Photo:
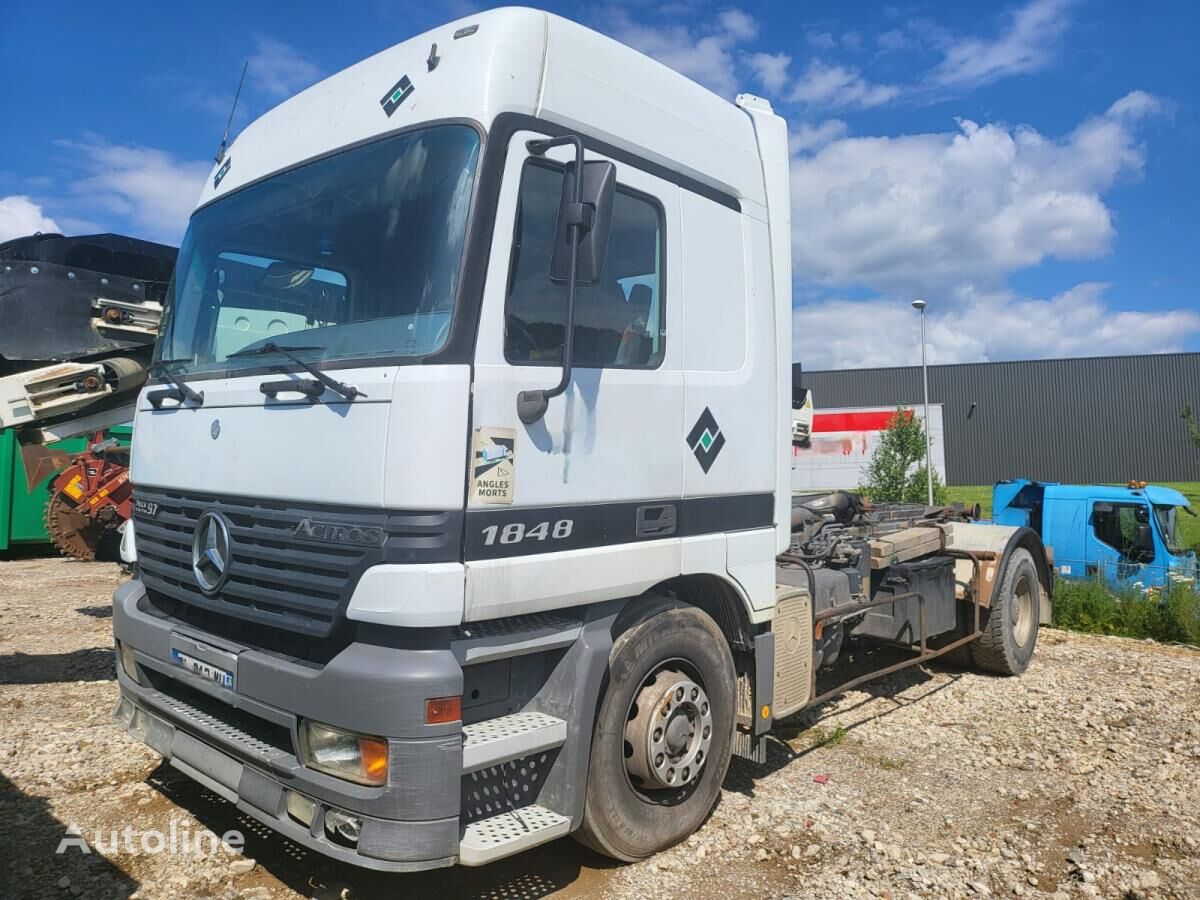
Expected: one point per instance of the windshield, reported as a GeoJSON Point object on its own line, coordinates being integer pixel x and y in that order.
{"type": "Point", "coordinates": [1167, 517]}
{"type": "Point", "coordinates": [354, 256]}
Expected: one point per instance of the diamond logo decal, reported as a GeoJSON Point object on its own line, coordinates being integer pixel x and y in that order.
{"type": "Point", "coordinates": [399, 92]}
{"type": "Point", "coordinates": [706, 440]}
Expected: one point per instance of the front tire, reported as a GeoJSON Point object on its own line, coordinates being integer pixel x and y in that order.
{"type": "Point", "coordinates": [1010, 624]}
{"type": "Point", "coordinates": [677, 663]}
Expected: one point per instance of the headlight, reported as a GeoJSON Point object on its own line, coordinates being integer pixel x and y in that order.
{"type": "Point", "coordinates": [344, 754]}
{"type": "Point", "coordinates": [128, 662]}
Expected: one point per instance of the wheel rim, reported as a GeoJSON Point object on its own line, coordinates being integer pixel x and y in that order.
{"type": "Point", "coordinates": [668, 732]}
{"type": "Point", "coordinates": [1022, 611]}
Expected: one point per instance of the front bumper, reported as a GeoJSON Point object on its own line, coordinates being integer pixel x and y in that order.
{"type": "Point", "coordinates": [241, 743]}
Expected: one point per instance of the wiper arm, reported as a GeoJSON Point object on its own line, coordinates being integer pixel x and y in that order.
{"type": "Point", "coordinates": [348, 391]}
{"type": "Point", "coordinates": [179, 391]}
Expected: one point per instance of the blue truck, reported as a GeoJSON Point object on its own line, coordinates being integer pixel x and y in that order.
{"type": "Point", "coordinates": [1125, 535]}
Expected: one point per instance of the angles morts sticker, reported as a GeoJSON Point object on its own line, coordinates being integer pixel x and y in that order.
{"type": "Point", "coordinates": [400, 91]}
{"type": "Point", "coordinates": [493, 465]}
{"type": "Point", "coordinates": [706, 440]}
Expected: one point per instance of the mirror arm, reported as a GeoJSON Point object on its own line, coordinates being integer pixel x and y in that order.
{"type": "Point", "coordinates": [532, 405]}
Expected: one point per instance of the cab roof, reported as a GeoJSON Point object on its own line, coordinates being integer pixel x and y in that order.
{"type": "Point", "coordinates": [1156, 494]}
{"type": "Point", "coordinates": [510, 60]}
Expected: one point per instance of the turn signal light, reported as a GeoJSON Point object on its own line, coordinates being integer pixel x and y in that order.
{"type": "Point", "coordinates": [441, 710]}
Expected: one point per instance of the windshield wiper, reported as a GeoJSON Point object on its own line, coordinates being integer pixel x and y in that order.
{"type": "Point", "coordinates": [348, 391]}
{"type": "Point", "coordinates": [180, 390]}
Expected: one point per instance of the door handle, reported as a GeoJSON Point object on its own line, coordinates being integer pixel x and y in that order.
{"type": "Point", "coordinates": [659, 520]}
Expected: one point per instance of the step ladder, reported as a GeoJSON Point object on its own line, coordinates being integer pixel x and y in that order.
{"type": "Point", "coordinates": [492, 743]}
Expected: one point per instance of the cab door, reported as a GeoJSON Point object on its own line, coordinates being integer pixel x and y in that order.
{"type": "Point", "coordinates": [1121, 545]}
{"type": "Point", "coordinates": [586, 506]}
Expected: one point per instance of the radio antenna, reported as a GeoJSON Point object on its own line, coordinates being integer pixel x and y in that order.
{"type": "Point", "coordinates": [229, 124]}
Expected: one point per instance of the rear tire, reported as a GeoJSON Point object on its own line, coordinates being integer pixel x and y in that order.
{"type": "Point", "coordinates": [1010, 624]}
{"type": "Point", "coordinates": [630, 821]}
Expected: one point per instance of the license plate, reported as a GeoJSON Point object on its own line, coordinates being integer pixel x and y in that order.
{"type": "Point", "coordinates": [207, 671]}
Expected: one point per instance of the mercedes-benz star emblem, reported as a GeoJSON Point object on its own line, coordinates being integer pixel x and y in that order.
{"type": "Point", "coordinates": [215, 429]}
{"type": "Point", "coordinates": [210, 551]}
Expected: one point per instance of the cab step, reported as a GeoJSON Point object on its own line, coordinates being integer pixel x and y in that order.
{"type": "Point", "coordinates": [509, 832]}
{"type": "Point", "coordinates": [496, 741]}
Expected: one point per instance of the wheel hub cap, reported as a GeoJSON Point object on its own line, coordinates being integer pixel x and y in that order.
{"type": "Point", "coordinates": [669, 735]}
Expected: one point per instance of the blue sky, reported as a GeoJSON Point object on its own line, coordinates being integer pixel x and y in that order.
{"type": "Point", "coordinates": [1029, 168]}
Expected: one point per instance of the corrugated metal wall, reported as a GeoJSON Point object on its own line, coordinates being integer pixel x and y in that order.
{"type": "Point", "coordinates": [1104, 419]}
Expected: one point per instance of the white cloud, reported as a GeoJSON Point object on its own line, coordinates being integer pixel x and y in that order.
{"type": "Point", "coordinates": [20, 216]}
{"type": "Point", "coordinates": [770, 68]}
{"type": "Point", "coordinates": [821, 40]}
{"type": "Point", "coordinates": [704, 54]}
{"type": "Point", "coordinates": [805, 136]}
{"type": "Point", "coordinates": [839, 86]}
{"type": "Point", "coordinates": [278, 70]}
{"type": "Point", "coordinates": [928, 212]}
{"type": "Point", "coordinates": [1028, 43]}
{"type": "Point", "coordinates": [973, 326]}
{"type": "Point", "coordinates": [150, 191]}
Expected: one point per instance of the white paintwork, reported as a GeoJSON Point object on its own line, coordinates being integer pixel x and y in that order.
{"type": "Point", "coordinates": [520, 60]}
{"type": "Point", "coordinates": [409, 596]}
{"type": "Point", "coordinates": [528, 584]}
{"type": "Point", "coordinates": [403, 447]}
{"type": "Point", "coordinates": [771, 134]}
{"type": "Point", "coordinates": [750, 558]}
{"type": "Point", "coordinates": [128, 542]}
{"type": "Point", "coordinates": [616, 434]}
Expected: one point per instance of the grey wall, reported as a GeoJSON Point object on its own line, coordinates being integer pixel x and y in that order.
{"type": "Point", "coordinates": [1104, 419]}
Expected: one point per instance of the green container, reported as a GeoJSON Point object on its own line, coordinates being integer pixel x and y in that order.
{"type": "Point", "coordinates": [22, 511]}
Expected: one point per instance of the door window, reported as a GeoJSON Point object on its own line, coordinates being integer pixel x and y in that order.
{"type": "Point", "coordinates": [619, 321]}
{"type": "Point", "coordinates": [1119, 525]}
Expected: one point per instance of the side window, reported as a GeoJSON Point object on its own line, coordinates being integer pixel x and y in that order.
{"type": "Point", "coordinates": [619, 321]}
{"type": "Point", "coordinates": [1118, 525]}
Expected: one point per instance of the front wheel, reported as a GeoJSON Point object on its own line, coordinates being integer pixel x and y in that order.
{"type": "Point", "coordinates": [1010, 625]}
{"type": "Point", "coordinates": [663, 735]}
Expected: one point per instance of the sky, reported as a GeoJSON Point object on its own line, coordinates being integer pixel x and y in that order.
{"type": "Point", "coordinates": [1030, 169]}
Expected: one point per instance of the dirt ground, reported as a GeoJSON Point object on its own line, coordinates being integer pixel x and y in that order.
{"type": "Point", "coordinates": [1082, 778]}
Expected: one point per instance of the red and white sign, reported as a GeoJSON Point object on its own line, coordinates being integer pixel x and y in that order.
{"type": "Point", "coordinates": [844, 440]}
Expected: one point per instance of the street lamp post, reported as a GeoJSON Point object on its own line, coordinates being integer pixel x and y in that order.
{"type": "Point", "coordinates": [920, 305]}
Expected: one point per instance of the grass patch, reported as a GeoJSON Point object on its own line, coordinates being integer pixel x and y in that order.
{"type": "Point", "coordinates": [825, 737]}
{"type": "Point", "coordinates": [1096, 608]}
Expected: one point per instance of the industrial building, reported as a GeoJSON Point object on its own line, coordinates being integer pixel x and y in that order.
{"type": "Point", "coordinates": [1098, 419]}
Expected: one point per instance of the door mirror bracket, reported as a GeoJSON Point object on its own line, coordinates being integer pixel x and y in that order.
{"type": "Point", "coordinates": [580, 246]}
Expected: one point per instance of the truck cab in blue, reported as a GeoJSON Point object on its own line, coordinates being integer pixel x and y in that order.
{"type": "Point", "coordinates": [1124, 535]}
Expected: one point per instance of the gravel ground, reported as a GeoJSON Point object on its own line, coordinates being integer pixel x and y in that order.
{"type": "Point", "coordinates": [1081, 778]}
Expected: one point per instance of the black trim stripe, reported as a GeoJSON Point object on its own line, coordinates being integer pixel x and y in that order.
{"type": "Point", "coordinates": [506, 124]}
{"type": "Point", "coordinates": [608, 524]}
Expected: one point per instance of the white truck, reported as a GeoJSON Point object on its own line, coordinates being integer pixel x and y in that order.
{"type": "Point", "coordinates": [462, 513]}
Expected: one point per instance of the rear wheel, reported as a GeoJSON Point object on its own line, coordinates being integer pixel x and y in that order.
{"type": "Point", "coordinates": [1010, 624]}
{"type": "Point", "coordinates": [663, 734]}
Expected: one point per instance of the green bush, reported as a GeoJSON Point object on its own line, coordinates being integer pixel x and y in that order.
{"type": "Point", "coordinates": [1096, 607]}
{"type": "Point", "coordinates": [890, 476]}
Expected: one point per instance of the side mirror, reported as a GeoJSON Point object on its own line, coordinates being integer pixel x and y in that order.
{"type": "Point", "coordinates": [1143, 542]}
{"type": "Point", "coordinates": [591, 238]}
{"type": "Point", "coordinates": [580, 245]}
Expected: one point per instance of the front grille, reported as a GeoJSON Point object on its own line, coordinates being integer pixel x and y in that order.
{"type": "Point", "coordinates": [274, 578]}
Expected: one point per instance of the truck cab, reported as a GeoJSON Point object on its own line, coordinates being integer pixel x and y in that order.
{"type": "Point", "coordinates": [1124, 535]}
{"type": "Point", "coordinates": [462, 511]}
